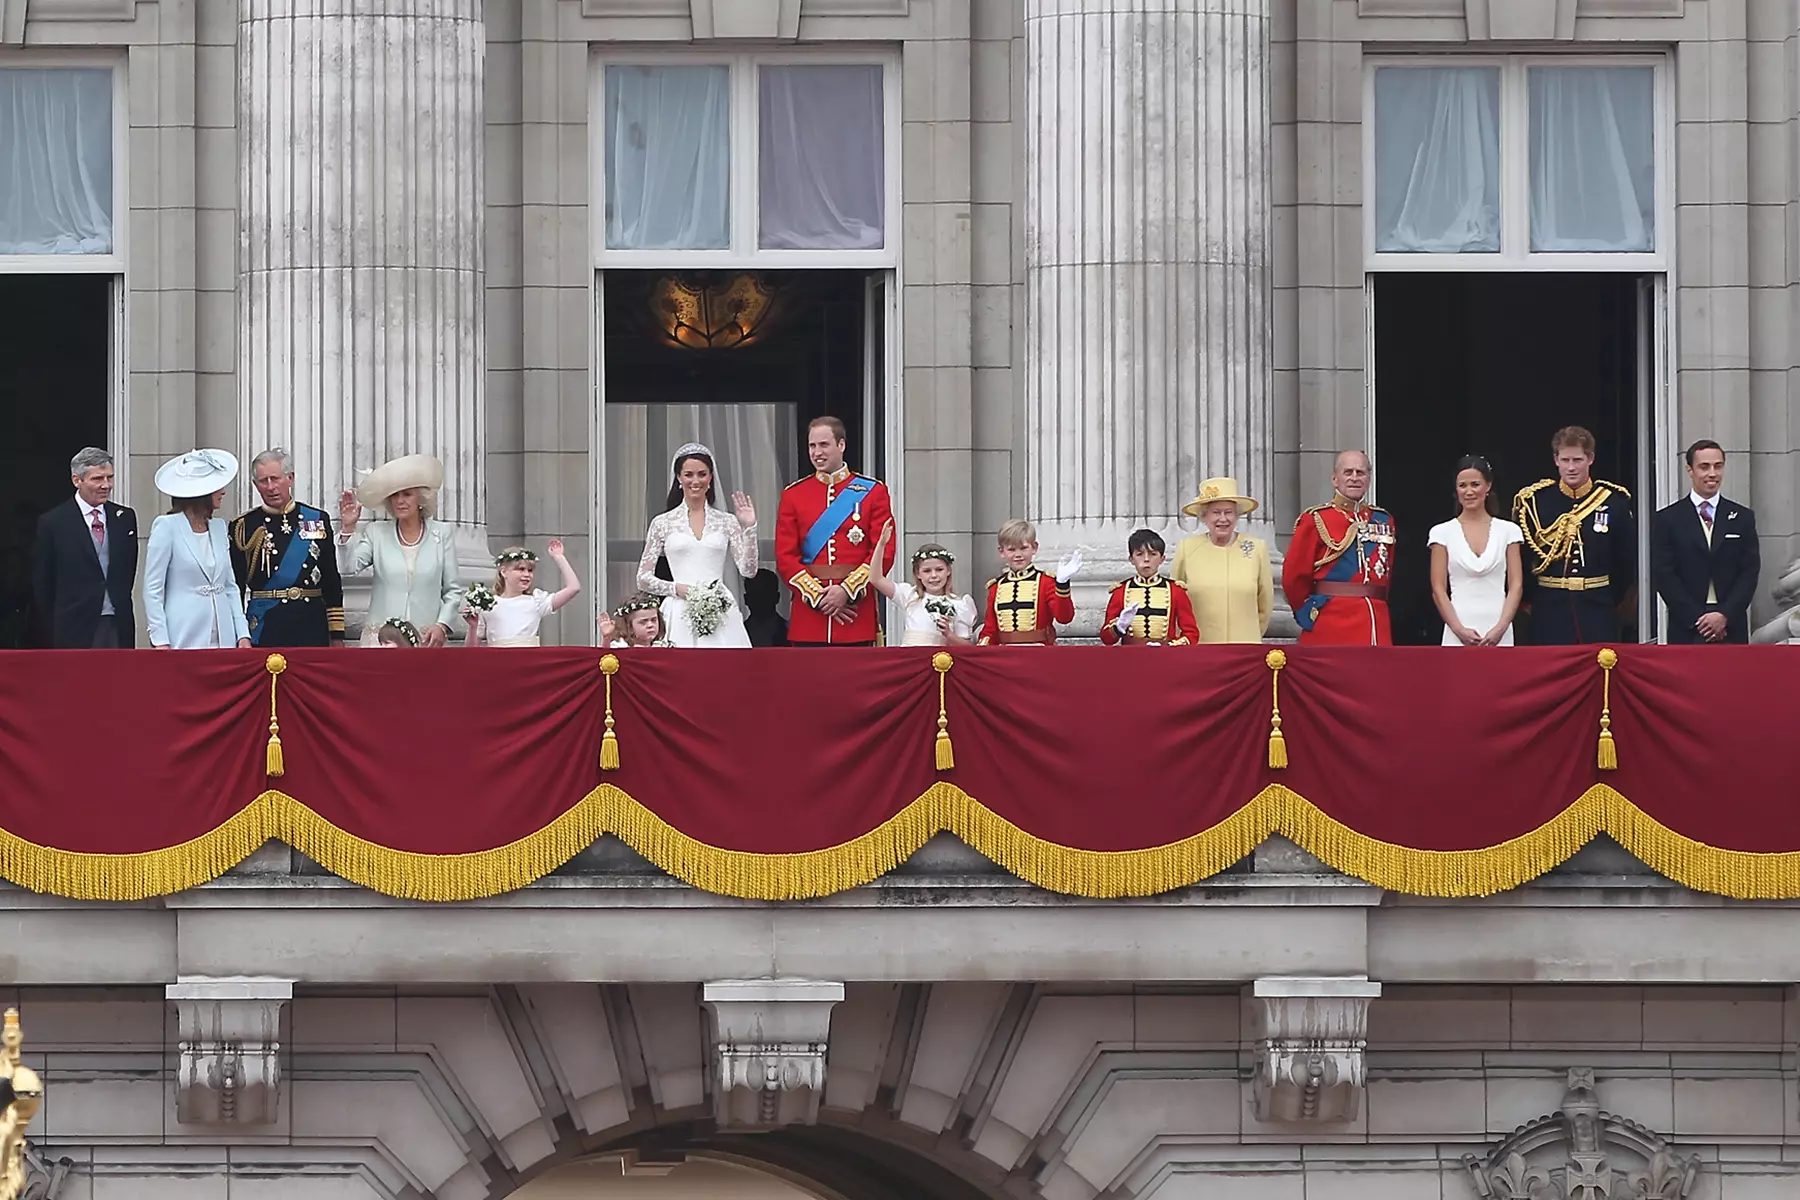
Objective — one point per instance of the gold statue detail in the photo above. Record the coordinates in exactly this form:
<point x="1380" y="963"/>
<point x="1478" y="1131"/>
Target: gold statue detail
<point x="22" y="1094"/>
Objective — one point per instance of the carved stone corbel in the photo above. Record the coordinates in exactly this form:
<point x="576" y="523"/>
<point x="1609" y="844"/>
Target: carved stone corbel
<point x="44" y="1175"/>
<point x="1582" y="1152"/>
<point x="1309" y="1064"/>
<point x="769" y="1040"/>
<point x="230" y="1071"/>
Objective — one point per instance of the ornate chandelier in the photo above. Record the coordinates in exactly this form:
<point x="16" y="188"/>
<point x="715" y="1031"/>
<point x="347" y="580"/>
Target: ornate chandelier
<point x="720" y="312"/>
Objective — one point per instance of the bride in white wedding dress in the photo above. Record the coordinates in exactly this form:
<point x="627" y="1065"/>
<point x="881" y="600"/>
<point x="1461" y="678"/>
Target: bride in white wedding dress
<point x="697" y="538"/>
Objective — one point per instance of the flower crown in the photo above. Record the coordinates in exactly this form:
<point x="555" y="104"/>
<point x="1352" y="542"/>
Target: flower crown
<point x="920" y="556"/>
<point x="640" y="603"/>
<point x="513" y="556"/>
<point x="407" y="629"/>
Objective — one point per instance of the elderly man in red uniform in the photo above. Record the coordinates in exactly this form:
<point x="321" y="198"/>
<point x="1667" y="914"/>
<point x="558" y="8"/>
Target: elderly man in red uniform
<point x="826" y="530"/>
<point x="1338" y="566"/>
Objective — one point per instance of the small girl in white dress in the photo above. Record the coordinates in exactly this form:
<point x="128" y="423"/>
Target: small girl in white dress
<point x="638" y="622"/>
<point x="518" y="607"/>
<point x="933" y="614"/>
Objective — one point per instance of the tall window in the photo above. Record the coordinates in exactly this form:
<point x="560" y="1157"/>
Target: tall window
<point x="748" y="158"/>
<point x="56" y="164"/>
<point x="1543" y="162"/>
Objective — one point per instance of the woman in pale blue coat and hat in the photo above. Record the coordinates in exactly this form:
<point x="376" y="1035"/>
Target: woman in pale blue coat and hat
<point x="191" y="597"/>
<point x="413" y="556"/>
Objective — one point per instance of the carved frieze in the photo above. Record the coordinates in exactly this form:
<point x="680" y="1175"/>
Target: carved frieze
<point x="1309" y="1064"/>
<point x="770" y="1038"/>
<point x="1582" y="1152"/>
<point x="230" y="1069"/>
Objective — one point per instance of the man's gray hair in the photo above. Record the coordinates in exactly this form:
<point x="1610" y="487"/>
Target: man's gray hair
<point x="275" y="454"/>
<point x="87" y="459"/>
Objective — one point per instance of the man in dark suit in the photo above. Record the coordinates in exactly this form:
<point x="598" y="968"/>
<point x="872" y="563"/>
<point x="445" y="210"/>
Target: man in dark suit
<point x="1704" y="556"/>
<point x="85" y="561"/>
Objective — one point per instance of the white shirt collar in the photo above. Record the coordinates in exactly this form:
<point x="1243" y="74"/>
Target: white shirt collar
<point x="88" y="510"/>
<point x="1698" y="500"/>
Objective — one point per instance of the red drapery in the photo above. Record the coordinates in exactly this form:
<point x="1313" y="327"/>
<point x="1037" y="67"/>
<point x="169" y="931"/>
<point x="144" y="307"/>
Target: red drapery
<point x="1093" y="771"/>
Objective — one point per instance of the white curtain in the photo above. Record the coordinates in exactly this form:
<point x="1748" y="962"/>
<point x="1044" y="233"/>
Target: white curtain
<point x="668" y="158"/>
<point x="1593" y="164"/>
<point x="821" y="168"/>
<point x="1437" y="160"/>
<point x="56" y="161"/>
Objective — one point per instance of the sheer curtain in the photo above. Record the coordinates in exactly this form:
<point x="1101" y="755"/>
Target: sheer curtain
<point x="56" y="161"/>
<point x="821" y="170"/>
<point x="668" y="158"/>
<point x="1437" y="160"/>
<point x="1593" y="164"/>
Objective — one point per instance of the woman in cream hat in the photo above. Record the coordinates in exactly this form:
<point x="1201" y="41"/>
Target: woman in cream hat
<point x="413" y="556"/>
<point x="191" y="597"/>
<point x="1226" y="573"/>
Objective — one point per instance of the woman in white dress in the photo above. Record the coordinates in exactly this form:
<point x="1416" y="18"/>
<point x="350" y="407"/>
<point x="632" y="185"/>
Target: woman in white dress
<point x="697" y="538"/>
<point x="1477" y="576"/>
<point x="191" y="598"/>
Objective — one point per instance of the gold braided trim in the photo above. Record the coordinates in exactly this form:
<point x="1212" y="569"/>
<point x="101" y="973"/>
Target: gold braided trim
<point x="943" y="807"/>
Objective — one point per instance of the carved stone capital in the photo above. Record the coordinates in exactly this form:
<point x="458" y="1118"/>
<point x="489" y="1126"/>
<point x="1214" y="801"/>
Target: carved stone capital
<point x="1309" y="1064"/>
<point x="230" y="1072"/>
<point x="769" y="1039"/>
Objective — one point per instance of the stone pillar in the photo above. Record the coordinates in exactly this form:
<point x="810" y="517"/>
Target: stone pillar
<point x="360" y="235"/>
<point x="1147" y="278"/>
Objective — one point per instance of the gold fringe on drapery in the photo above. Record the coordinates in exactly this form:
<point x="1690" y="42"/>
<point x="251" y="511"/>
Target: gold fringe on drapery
<point x="273" y="765"/>
<point x="1608" y="755"/>
<point x="1277" y="659"/>
<point x="609" y="741"/>
<point x="941" y="662"/>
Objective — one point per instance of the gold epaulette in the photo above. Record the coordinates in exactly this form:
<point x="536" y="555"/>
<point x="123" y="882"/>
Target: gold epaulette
<point x="1531" y="489"/>
<point x="994" y="582"/>
<point x="1610" y="486"/>
<point x="790" y="487"/>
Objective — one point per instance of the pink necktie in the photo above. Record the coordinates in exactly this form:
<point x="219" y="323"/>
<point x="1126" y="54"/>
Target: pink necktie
<point x="99" y="530"/>
<point x="1706" y="512"/>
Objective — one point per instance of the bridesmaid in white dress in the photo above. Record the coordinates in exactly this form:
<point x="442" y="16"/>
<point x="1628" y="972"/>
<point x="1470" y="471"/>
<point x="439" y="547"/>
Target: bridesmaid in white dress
<point x="697" y="538"/>
<point x="1477" y="576"/>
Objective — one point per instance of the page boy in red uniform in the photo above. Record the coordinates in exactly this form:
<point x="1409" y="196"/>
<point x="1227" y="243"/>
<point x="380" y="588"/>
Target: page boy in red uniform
<point x="1148" y="609"/>
<point x="1025" y="605"/>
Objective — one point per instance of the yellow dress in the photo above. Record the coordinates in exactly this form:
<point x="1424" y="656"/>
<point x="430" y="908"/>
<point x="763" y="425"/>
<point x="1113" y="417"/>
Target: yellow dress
<point x="1232" y="587"/>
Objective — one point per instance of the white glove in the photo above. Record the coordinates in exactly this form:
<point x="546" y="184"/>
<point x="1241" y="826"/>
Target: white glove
<point x="1126" y="617"/>
<point x="1069" y="567"/>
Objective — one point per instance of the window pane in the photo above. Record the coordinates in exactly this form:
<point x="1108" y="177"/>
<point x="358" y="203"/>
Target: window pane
<point x="668" y="158"/>
<point x="1593" y="165"/>
<point x="1437" y="160"/>
<point x="821" y="158"/>
<point x="56" y="161"/>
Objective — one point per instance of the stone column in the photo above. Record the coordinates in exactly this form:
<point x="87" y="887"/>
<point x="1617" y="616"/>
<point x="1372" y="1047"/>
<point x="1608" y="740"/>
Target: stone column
<point x="1147" y="280"/>
<point x="360" y="243"/>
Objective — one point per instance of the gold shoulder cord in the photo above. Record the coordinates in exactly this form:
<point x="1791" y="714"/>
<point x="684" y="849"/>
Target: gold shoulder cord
<point x="1334" y="550"/>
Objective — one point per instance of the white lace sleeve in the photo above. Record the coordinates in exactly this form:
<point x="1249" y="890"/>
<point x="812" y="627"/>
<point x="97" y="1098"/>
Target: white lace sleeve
<point x="654" y="539"/>
<point x="743" y="545"/>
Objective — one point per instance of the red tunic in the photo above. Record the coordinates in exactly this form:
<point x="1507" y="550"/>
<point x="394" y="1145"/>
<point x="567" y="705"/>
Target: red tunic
<point x="1363" y="536"/>
<point x="844" y="560"/>
<point x="1023" y="607"/>
<point x="1165" y="614"/>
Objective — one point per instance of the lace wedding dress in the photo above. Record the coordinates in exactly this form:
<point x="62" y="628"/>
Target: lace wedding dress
<point x="695" y="561"/>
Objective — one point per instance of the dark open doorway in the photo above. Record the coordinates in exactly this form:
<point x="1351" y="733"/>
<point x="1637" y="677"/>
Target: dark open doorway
<point x="1493" y="364"/>
<point x="55" y="352"/>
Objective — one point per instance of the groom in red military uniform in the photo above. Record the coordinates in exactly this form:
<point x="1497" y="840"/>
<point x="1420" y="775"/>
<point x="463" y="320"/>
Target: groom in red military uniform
<point x="826" y="529"/>
<point x="1338" y="566"/>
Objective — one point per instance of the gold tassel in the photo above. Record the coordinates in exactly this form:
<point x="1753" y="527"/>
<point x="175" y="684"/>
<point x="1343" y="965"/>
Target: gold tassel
<point x="1276" y="659"/>
<point x="609" y="741"/>
<point x="941" y="662"/>
<point x="274" y="768"/>
<point x="1608" y="758"/>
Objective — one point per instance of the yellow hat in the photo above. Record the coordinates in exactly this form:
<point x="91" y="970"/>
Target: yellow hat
<point x="1216" y="491"/>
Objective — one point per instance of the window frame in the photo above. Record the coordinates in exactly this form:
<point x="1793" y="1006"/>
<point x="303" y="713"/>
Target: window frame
<point x="1515" y="158"/>
<point x="743" y="118"/>
<point x="46" y="59"/>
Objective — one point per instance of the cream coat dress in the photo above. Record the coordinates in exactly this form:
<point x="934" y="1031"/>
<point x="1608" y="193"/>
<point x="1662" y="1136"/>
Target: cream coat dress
<point x="1232" y="586"/>
<point x="416" y="583"/>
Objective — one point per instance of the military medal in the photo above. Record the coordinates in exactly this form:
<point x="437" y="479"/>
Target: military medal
<point x="1600" y="519"/>
<point x="855" y="535"/>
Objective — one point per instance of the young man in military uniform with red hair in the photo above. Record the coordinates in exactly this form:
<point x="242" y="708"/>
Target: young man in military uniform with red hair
<point x="826" y="530"/>
<point x="1580" y="548"/>
<point x="1340" y="562"/>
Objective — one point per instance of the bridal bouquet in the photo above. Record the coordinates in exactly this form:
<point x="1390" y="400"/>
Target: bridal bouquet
<point x="479" y="597"/>
<point x="706" y="606"/>
<point x="940" y="606"/>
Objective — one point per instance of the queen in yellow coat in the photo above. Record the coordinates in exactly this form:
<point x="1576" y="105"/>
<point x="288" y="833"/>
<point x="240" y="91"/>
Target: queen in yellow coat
<point x="1227" y="574"/>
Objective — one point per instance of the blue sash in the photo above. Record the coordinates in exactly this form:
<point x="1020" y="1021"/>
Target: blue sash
<point x="1343" y="570"/>
<point x="293" y="561"/>
<point x="856" y="490"/>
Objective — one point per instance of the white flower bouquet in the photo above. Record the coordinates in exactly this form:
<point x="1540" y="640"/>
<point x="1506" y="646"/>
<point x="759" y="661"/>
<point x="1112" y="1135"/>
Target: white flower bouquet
<point x="940" y="606"/>
<point x="706" y="606"/>
<point x="480" y="598"/>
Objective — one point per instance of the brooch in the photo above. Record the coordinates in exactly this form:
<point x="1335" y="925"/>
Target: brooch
<point x="855" y="535"/>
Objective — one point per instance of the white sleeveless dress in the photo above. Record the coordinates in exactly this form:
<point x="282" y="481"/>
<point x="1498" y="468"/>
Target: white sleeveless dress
<point x="1477" y="582"/>
<point x="694" y="561"/>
